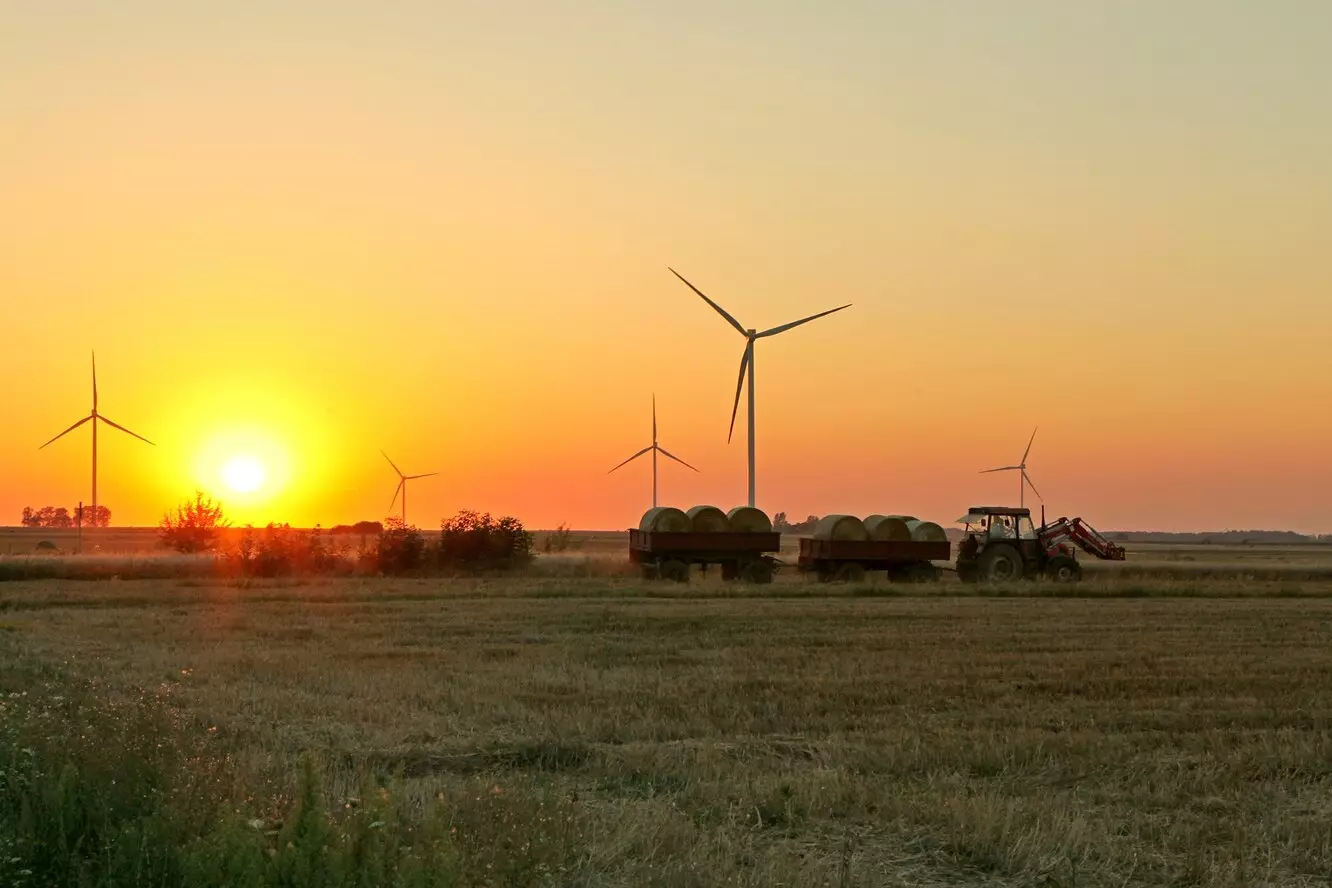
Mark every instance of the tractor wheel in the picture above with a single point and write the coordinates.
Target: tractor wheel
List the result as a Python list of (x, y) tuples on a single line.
[(1063, 569), (756, 572), (675, 570), (999, 564), (850, 572)]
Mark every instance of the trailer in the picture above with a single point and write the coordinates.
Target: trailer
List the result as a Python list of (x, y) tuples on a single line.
[(669, 555), (849, 560)]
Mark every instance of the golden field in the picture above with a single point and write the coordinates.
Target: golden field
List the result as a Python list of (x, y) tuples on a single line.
[(1141, 728)]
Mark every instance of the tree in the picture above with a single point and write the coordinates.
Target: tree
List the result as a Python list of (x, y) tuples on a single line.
[(780, 522), (195, 526), (30, 518), (102, 518)]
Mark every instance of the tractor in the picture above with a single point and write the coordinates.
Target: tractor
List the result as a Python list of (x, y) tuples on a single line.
[(1003, 544)]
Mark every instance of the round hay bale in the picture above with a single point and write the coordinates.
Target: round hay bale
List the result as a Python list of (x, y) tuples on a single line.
[(904, 517), (840, 527), (46, 546), (708, 519), (664, 519), (886, 527), (927, 531), (747, 519)]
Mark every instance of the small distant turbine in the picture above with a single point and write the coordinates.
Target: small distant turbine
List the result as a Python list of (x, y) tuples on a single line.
[(747, 363), (93, 417), (654, 448), (1024, 481), (402, 486)]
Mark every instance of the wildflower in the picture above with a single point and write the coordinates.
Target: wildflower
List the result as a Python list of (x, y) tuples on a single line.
[(256, 823)]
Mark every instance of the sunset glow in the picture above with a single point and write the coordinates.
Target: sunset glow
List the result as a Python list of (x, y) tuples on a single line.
[(1107, 220)]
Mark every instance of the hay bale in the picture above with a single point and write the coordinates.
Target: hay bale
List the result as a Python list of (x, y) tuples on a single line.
[(927, 531), (664, 519), (708, 519), (747, 519), (887, 527), (904, 517), (840, 527)]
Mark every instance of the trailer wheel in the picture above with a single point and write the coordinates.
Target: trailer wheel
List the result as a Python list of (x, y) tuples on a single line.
[(730, 570), (757, 572), (1063, 569), (851, 572), (650, 571), (675, 570), (1000, 564), (924, 572)]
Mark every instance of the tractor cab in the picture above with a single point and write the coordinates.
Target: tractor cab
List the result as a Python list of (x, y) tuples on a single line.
[(998, 522)]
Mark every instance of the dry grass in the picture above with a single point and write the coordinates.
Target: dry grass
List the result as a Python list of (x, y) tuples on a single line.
[(790, 735)]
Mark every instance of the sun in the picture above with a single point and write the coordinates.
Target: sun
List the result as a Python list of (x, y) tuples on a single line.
[(243, 474)]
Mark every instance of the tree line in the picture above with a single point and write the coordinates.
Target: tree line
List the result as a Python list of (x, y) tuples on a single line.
[(59, 516)]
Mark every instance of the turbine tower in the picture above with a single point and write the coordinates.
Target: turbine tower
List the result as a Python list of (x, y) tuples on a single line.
[(1024, 481), (402, 486), (94, 417), (747, 363), (654, 448)]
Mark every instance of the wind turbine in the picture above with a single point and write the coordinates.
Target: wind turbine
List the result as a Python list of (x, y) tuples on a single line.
[(1021, 467), (402, 486), (93, 417), (654, 448), (747, 363)]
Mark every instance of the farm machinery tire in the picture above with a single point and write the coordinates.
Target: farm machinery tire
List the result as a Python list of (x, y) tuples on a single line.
[(1063, 569), (999, 564), (758, 572), (675, 570), (850, 572)]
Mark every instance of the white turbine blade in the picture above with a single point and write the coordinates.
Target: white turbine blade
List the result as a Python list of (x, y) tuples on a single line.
[(1027, 478), (396, 491), (94, 371), (67, 431), (395, 467), (1028, 450), (1001, 469), (721, 311), (647, 449), (414, 477), (123, 429), (664, 452), (739, 385), (784, 327)]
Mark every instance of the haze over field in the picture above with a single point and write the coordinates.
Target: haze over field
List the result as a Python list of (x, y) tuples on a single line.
[(443, 229)]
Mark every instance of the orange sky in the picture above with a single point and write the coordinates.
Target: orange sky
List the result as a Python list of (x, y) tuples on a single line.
[(444, 230)]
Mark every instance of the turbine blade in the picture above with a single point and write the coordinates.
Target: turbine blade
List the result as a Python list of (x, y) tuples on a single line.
[(395, 467), (647, 449), (1001, 469), (396, 491), (67, 431), (654, 417), (721, 311), (414, 477), (664, 452), (784, 327), (739, 385), (1028, 450), (1027, 478), (94, 371), (123, 429)]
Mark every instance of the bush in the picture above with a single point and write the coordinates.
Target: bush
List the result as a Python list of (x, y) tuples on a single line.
[(401, 548), (477, 542), (195, 527)]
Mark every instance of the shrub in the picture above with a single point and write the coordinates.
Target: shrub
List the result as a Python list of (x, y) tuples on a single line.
[(195, 526), (471, 541), (559, 540), (401, 548)]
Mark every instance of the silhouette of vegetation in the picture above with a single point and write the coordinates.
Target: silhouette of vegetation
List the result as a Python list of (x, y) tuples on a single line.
[(59, 516), (401, 548), (195, 527), (360, 528), (474, 542), (782, 524), (561, 539)]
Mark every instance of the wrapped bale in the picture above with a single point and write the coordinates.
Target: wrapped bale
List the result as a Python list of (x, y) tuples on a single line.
[(747, 519), (840, 527), (664, 519), (927, 531), (884, 528), (708, 519)]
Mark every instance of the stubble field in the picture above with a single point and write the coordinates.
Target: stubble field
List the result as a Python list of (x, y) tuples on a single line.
[(602, 731)]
